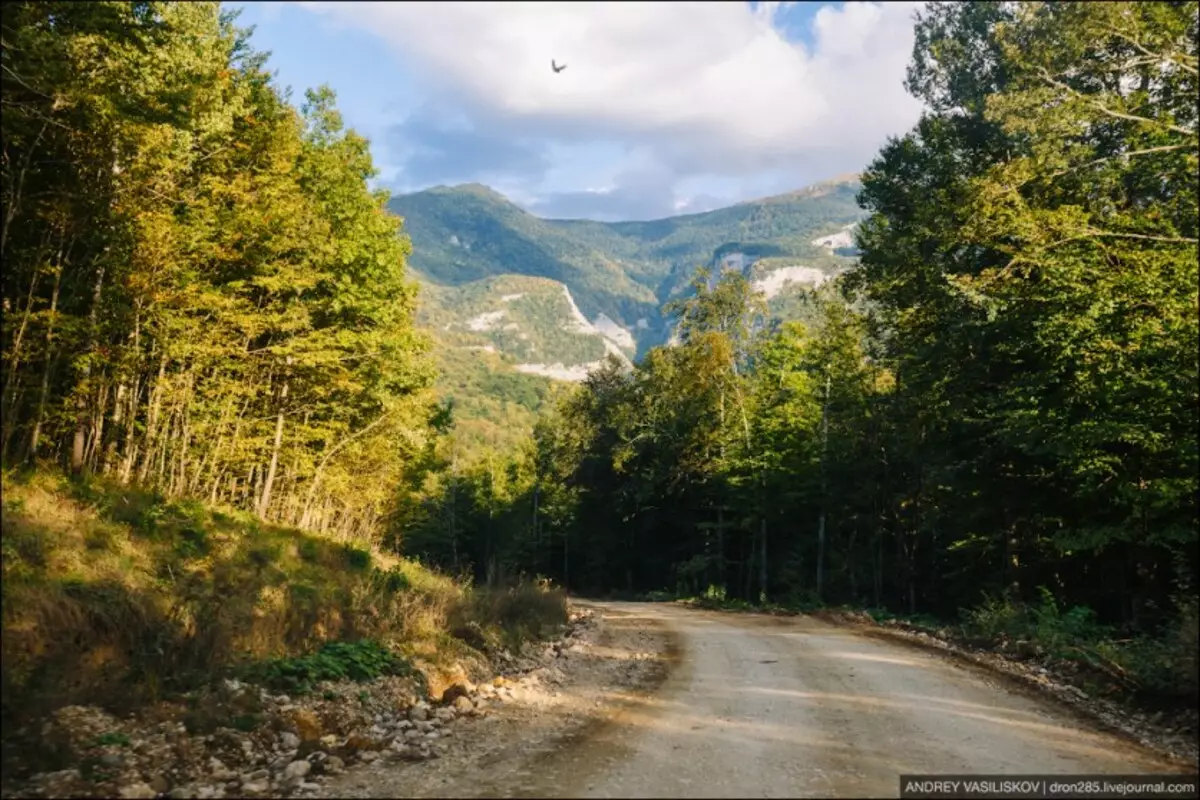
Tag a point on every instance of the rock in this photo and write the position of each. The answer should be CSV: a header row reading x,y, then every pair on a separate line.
x,y
446,714
418,714
112,760
137,790
255,787
333,765
367,756
460,688
432,736
413,733
289,740
358,742
329,741
256,776
297,770
159,784
463,705
403,725
308,725
181,793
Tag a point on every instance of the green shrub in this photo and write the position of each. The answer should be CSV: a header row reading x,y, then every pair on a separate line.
x,y
357,661
247,722
357,559
395,581
308,550
112,738
525,611
193,543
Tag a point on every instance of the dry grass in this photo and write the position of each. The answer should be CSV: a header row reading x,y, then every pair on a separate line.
x,y
117,596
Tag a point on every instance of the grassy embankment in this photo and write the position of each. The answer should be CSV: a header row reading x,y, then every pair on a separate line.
x,y
118,597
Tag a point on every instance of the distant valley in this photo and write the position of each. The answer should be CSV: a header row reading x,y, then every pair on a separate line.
x,y
515,302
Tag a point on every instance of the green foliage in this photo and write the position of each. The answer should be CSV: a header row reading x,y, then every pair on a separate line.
x,y
202,295
112,738
357,558
1159,667
247,723
525,611
1000,396
356,661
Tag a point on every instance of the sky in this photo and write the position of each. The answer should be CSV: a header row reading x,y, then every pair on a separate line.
x,y
663,108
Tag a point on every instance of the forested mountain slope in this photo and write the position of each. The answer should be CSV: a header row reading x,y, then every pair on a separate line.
x,y
506,294
996,409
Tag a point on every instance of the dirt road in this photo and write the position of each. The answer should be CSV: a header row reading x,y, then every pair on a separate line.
x,y
751,706
794,707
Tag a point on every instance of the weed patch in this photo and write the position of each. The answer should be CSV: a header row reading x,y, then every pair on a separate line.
x,y
357,661
527,611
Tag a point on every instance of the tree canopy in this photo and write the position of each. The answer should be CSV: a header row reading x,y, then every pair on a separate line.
x,y
200,291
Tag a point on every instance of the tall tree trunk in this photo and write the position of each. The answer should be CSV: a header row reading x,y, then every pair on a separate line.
x,y
312,489
129,453
114,429
11,393
14,202
35,436
95,437
155,401
824,500
84,388
264,500
762,576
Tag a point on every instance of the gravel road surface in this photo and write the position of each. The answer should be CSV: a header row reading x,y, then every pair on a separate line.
x,y
760,706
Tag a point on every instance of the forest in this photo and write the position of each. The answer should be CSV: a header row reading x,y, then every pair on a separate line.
x,y
997,409
994,414
200,292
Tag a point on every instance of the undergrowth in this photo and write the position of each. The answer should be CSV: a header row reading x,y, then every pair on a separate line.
x,y
1160,667
360,661
118,596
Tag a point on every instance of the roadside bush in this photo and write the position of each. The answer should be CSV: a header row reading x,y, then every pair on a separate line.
x,y
522,612
357,661
994,618
1162,666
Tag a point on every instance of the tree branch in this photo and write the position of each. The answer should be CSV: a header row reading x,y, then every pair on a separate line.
x,y
1130,154
1158,57
1103,109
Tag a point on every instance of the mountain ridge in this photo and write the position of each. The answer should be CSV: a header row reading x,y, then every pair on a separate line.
x,y
547,299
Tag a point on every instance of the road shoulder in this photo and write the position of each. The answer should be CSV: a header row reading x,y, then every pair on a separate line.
x,y
518,746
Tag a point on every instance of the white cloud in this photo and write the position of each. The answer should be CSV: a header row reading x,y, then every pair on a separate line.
x,y
701,88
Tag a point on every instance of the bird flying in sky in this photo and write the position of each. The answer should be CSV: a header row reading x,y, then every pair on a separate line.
x,y
554,66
